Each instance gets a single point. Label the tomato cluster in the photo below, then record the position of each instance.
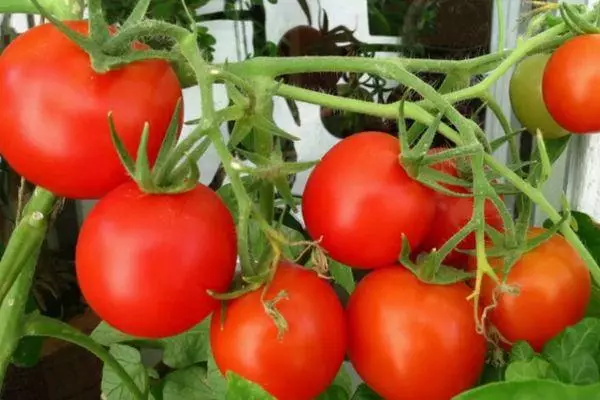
(358, 203)
(146, 262)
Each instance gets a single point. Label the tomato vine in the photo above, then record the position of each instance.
(251, 86)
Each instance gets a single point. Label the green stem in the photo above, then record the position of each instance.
(263, 145)
(27, 237)
(538, 198)
(38, 325)
(191, 52)
(62, 9)
(388, 111)
(12, 312)
(383, 67)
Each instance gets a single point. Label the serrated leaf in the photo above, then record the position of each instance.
(188, 348)
(521, 351)
(536, 368)
(575, 341)
(342, 275)
(106, 335)
(189, 384)
(239, 388)
(579, 370)
(130, 358)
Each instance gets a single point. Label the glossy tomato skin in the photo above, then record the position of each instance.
(360, 201)
(53, 121)
(144, 262)
(452, 214)
(554, 290)
(526, 97)
(571, 82)
(409, 340)
(305, 361)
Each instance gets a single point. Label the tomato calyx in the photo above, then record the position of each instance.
(428, 267)
(173, 172)
(110, 48)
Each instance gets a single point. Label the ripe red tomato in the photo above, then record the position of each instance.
(403, 332)
(301, 364)
(360, 201)
(144, 262)
(452, 214)
(570, 83)
(555, 288)
(53, 119)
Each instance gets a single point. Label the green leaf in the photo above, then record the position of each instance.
(555, 147)
(189, 384)
(575, 341)
(363, 392)
(492, 373)
(112, 387)
(28, 351)
(239, 388)
(531, 390)
(106, 335)
(593, 309)
(340, 389)
(536, 368)
(342, 275)
(579, 370)
(188, 348)
(215, 378)
(334, 392)
(588, 231)
(449, 275)
(521, 351)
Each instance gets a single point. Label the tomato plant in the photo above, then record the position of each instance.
(548, 290)
(569, 82)
(359, 202)
(452, 214)
(526, 97)
(157, 258)
(145, 262)
(53, 122)
(305, 359)
(403, 331)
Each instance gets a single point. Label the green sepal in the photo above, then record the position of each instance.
(122, 152)
(142, 165)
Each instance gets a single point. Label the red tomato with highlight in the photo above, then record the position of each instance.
(554, 290)
(305, 360)
(145, 262)
(571, 83)
(53, 120)
(360, 201)
(452, 214)
(410, 340)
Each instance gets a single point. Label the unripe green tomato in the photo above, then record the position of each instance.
(526, 97)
